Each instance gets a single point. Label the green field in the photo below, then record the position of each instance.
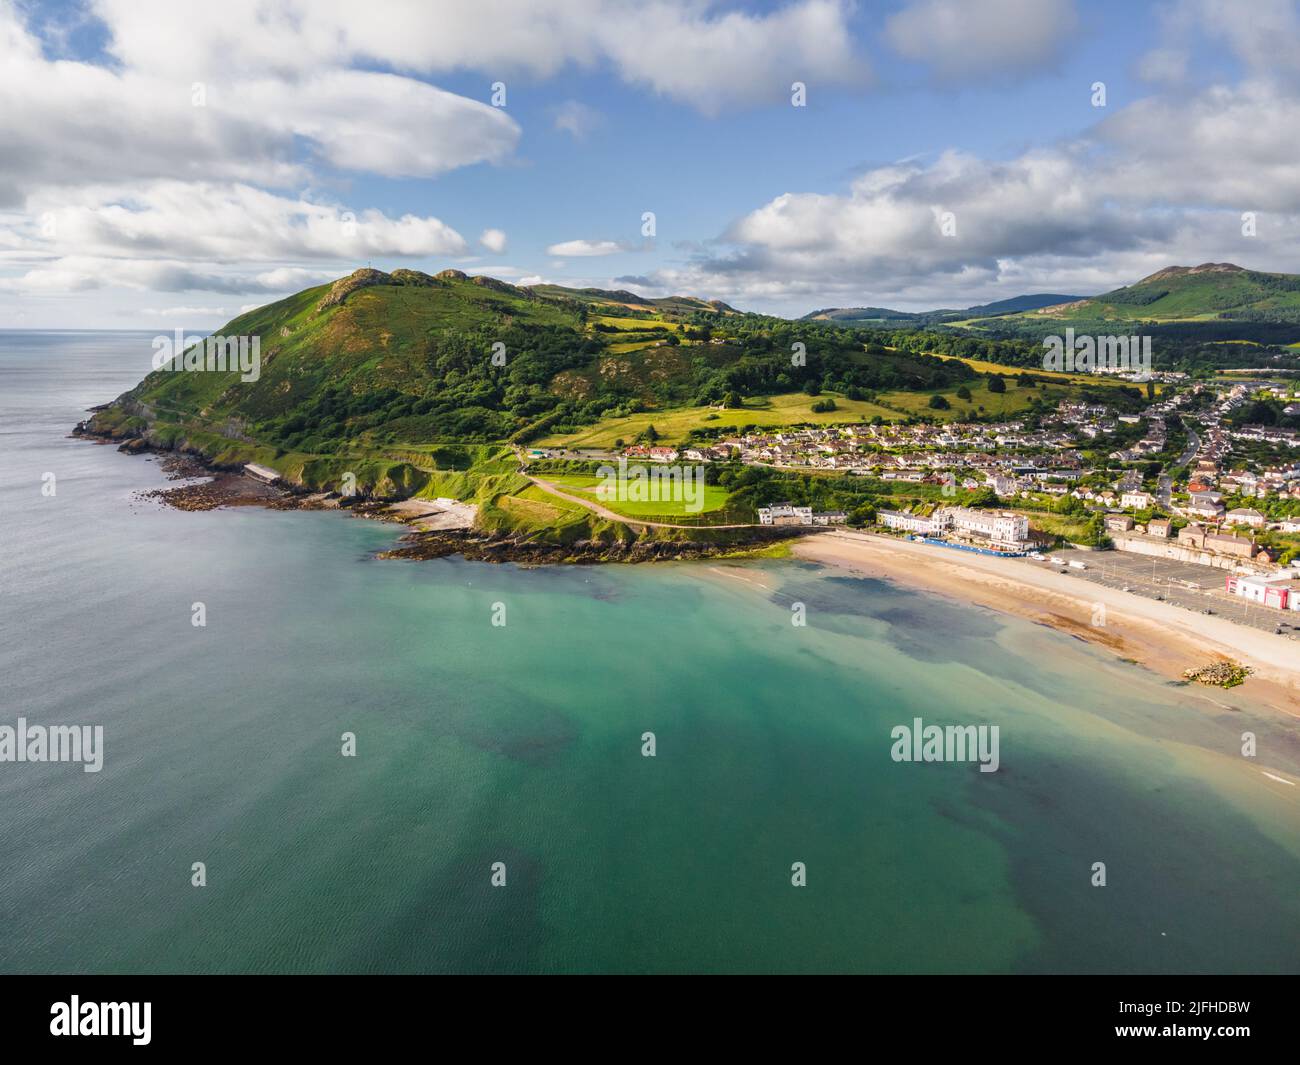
(1013, 401)
(715, 498)
(637, 325)
(768, 412)
(1067, 378)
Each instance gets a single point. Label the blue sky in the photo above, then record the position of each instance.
(323, 142)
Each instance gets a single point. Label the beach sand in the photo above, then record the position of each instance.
(1162, 637)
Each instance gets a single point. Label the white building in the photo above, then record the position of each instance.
(785, 514)
(1136, 500)
(1280, 590)
(1244, 516)
(904, 522)
(1002, 528)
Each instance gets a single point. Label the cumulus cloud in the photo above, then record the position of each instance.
(494, 240)
(701, 53)
(1002, 39)
(184, 312)
(1083, 217)
(155, 115)
(225, 222)
(576, 119)
(585, 248)
(1166, 179)
(81, 273)
(715, 61)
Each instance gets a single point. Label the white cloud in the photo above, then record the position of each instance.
(576, 119)
(1164, 181)
(713, 62)
(80, 273)
(235, 222)
(697, 52)
(494, 240)
(584, 248)
(184, 312)
(68, 122)
(1001, 39)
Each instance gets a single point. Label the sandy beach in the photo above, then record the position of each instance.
(1162, 637)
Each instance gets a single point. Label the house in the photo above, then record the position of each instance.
(1159, 527)
(1228, 544)
(1244, 516)
(830, 517)
(1205, 505)
(1118, 522)
(905, 522)
(785, 514)
(1002, 528)
(1136, 500)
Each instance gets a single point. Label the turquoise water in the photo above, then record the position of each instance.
(521, 744)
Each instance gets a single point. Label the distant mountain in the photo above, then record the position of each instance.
(859, 314)
(1190, 293)
(604, 297)
(1014, 305)
(1019, 304)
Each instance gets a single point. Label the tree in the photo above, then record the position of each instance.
(963, 393)
(937, 402)
(996, 384)
(864, 514)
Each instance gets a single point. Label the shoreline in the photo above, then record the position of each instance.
(1164, 638)
(433, 531)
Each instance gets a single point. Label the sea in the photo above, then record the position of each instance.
(364, 766)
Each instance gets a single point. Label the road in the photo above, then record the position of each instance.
(1166, 483)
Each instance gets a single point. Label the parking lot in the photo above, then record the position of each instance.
(1196, 588)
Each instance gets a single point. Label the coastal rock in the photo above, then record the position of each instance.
(1222, 674)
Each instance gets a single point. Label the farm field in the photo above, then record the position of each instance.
(1069, 378)
(673, 424)
(715, 497)
(636, 325)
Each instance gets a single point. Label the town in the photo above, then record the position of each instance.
(1185, 479)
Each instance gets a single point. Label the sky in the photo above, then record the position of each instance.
(166, 163)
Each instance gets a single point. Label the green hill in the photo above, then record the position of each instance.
(377, 359)
(1191, 293)
(417, 383)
